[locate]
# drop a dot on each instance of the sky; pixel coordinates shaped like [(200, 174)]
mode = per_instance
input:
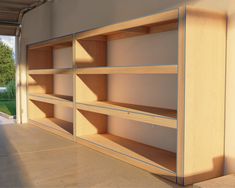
[(9, 40)]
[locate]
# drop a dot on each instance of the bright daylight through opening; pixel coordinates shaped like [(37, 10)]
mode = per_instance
[(7, 80)]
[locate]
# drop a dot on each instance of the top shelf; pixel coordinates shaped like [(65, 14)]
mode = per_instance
[(150, 24)]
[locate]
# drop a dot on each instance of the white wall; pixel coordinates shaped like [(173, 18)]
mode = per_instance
[(77, 15)]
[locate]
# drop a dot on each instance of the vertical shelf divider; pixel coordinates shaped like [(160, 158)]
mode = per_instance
[(74, 49), (181, 96)]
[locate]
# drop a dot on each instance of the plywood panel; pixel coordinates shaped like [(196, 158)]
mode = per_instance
[(204, 95)]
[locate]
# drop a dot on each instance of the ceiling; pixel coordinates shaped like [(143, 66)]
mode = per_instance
[(11, 14)]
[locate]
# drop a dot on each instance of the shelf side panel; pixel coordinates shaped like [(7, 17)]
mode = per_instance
[(204, 95), (181, 95)]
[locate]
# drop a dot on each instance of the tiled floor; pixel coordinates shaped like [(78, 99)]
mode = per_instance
[(32, 157)]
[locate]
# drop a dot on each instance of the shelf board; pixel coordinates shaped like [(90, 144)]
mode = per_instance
[(55, 125), (152, 115), (51, 71), (164, 69), (66, 101), (160, 22), (138, 154)]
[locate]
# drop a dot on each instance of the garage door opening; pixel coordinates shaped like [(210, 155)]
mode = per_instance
[(7, 80)]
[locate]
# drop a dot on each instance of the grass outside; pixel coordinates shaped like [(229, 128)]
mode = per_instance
[(8, 106)]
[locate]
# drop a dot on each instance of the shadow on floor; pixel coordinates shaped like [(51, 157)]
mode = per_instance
[(12, 170)]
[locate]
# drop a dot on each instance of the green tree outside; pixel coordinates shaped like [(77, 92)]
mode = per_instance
[(7, 79), (7, 66)]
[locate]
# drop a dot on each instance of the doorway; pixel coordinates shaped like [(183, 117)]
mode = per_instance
[(7, 80)]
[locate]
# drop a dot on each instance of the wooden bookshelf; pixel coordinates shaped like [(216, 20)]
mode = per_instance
[(193, 81), (152, 115), (164, 69)]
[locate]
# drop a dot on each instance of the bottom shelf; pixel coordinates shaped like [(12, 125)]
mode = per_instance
[(153, 159), (56, 126)]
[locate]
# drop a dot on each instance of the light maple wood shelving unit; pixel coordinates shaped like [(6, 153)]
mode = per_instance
[(198, 119)]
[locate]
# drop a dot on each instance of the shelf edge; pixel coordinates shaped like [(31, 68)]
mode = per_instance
[(151, 119)]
